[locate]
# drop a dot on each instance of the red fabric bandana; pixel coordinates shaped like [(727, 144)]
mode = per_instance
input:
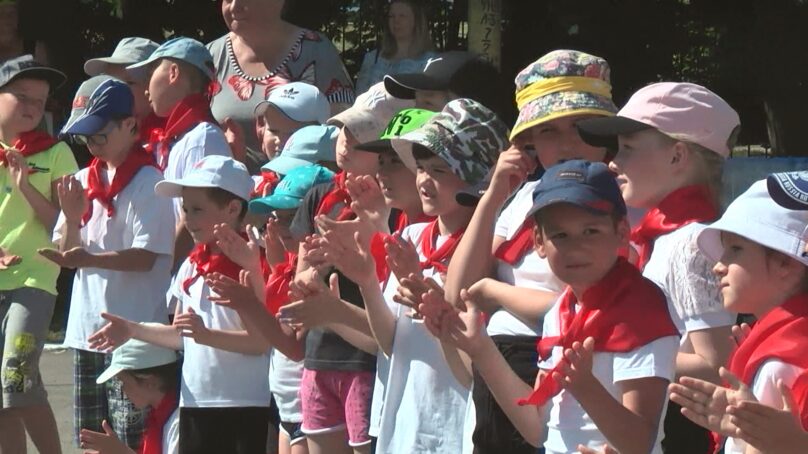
[(205, 262), (155, 421), (334, 198), (150, 123), (96, 190), (512, 251), (188, 113), (800, 392), (277, 287), (439, 258), (680, 208), (29, 143), (269, 180), (377, 244), (622, 312)]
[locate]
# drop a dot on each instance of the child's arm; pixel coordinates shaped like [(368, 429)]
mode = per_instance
[(119, 330), (190, 324), (46, 211), (529, 305), (771, 430), (711, 348), (135, 259), (473, 259), (630, 423)]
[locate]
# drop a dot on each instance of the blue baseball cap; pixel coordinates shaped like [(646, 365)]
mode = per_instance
[(306, 147), (181, 48), (589, 185), (290, 191), (789, 189), (112, 99)]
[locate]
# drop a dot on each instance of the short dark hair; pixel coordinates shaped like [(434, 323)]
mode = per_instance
[(168, 375), (221, 198), (421, 152)]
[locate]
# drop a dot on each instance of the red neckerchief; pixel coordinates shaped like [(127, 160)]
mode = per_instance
[(782, 334), (800, 392), (678, 209), (155, 421), (206, 263), (521, 243), (188, 113), (28, 144), (336, 197), (97, 190), (437, 258), (622, 312), (377, 243), (151, 122), (277, 286), (269, 180)]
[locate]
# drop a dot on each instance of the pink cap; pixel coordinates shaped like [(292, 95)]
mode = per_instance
[(683, 111)]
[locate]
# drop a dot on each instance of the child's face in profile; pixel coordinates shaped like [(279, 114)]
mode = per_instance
[(22, 105), (163, 93), (140, 392), (202, 213), (138, 86), (580, 246), (352, 160), (437, 186), (274, 129), (643, 168), (397, 182), (558, 140)]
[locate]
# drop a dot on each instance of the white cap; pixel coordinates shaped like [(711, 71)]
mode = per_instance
[(136, 355), (299, 101), (756, 216), (211, 172), (370, 113)]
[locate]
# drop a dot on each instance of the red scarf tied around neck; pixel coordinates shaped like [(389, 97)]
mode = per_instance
[(678, 209), (277, 286), (336, 197), (622, 312), (28, 144), (206, 262), (782, 335), (438, 258), (377, 244), (512, 251), (97, 190), (188, 113), (266, 185), (155, 421)]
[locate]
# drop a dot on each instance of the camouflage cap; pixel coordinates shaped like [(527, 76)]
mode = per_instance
[(465, 134), (560, 84)]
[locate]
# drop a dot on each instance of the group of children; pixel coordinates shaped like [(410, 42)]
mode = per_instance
[(408, 276)]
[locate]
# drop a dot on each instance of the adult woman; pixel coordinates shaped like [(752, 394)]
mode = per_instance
[(262, 51), (405, 48)]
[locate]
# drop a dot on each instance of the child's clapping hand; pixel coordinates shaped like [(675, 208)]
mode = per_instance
[(575, 372), (313, 303), (190, 324), (245, 253), (402, 257)]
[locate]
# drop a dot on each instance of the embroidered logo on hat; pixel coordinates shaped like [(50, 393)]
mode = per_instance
[(80, 102), (571, 175), (430, 61), (290, 93), (790, 189)]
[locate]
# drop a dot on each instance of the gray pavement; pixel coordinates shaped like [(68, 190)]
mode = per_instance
[(57, 371)]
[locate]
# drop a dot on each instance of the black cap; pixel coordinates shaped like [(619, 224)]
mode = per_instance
[(26, 67), (437, 75)]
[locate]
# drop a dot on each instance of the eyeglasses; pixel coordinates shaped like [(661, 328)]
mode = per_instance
[(27, 100), (97, 139)]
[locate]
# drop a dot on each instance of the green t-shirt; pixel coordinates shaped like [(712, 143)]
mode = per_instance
[(21, 233)]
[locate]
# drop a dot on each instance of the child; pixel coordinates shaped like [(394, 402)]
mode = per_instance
[(149, 377), (31, 164), (496, 259), (454, 149), (608, 345), (308, 146), (673, 139), (762, 270), (288, 108), (120, 241), (224, 402), (130, 51)]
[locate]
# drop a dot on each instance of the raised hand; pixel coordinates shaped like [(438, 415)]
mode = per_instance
[(345, 229), (72, 199), (102, 443), (77, 257), (576, 371), (368, 201), (465, 328), (402, 257), (273, 246), (512, 169), (351, 256), (410, 291), (436, 311), (768, 429), (313, 304), (740, 333), (245, 253), (228, 292), (705, 403), (7, 260), (190, 324), (313, 254), (112, 335), (17, 167)]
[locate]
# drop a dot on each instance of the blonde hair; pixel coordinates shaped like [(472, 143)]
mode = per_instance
[(710, 168), (421, 39)]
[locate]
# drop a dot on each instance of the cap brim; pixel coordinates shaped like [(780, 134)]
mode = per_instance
[(140, 70), (266, 205), (776, 185), (578, 195), (108, 374), (408, 83), (376, 146), (403, 149), (603, 132), (86, 125), (53, 77), (470, 196), (283, 165), (398, 89), (96, 66), (173, 189)]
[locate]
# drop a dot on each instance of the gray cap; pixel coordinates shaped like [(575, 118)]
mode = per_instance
[(26, 67), (82, 96), (128, 52)]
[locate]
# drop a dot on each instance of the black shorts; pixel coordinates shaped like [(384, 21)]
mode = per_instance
[(237, 430), (293, 432), (494, 432), (682, 435)]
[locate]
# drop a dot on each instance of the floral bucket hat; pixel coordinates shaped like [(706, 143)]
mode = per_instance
[(562, 83)]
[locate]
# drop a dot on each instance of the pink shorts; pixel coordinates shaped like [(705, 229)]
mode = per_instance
[(333, 400)]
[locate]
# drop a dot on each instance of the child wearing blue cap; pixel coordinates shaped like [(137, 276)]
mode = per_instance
[(182, 76), (120, 239), (31, 164), (608, 346)]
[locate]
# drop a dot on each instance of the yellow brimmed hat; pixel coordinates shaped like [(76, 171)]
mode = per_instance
[(560, 84)]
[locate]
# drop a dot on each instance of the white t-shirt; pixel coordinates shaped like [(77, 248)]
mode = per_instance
[(382, 364), (284, 382), (424, 405), (569, 425), (764, 387), (212, 377), (532, 272), (204, 139), (685, 276), (171, 434), (142, 221)]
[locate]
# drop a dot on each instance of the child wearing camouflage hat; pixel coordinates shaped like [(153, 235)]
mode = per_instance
[(452, 151), (495, 260)]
